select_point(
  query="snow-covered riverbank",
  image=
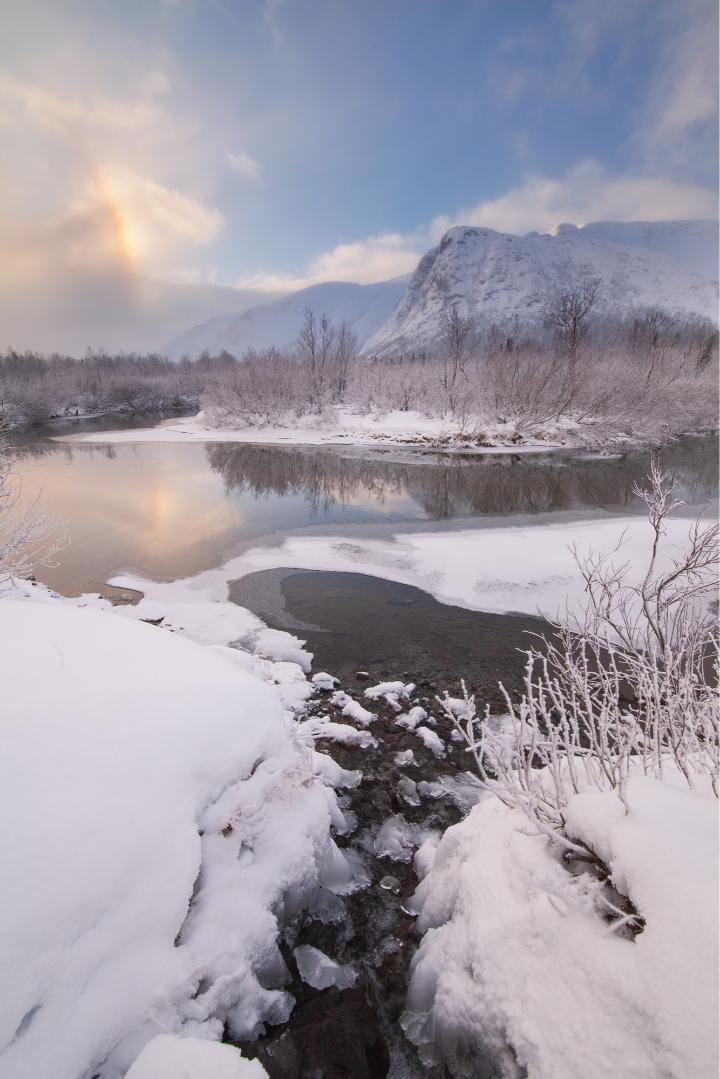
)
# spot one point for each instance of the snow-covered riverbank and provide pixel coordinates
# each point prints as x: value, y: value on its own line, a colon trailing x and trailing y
x: 191, y: 818
x: 392, y: 428
x: 165, y: 812
x: 343, y: 427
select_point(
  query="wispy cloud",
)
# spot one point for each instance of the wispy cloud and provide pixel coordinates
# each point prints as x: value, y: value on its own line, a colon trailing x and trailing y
x: 587, y: 192
x: 677, y: 128
x: 377, y: 258
x: 243, y: 165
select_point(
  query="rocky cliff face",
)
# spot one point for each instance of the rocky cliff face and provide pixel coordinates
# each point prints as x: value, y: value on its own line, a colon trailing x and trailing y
x: 493, y: 276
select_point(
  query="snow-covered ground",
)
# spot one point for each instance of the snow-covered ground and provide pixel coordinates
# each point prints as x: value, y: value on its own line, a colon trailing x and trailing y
x: 163, y: 812
x: 168, y: 811
x: 514, y: 953
x: 342, y: 427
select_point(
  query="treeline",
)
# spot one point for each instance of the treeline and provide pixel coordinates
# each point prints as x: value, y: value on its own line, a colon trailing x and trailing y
x: 579, y: 369
x: 645, y: 375
x: 35, y: 388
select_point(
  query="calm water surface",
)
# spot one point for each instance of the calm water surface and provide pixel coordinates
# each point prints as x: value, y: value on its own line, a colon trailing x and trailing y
x: 167, y: 510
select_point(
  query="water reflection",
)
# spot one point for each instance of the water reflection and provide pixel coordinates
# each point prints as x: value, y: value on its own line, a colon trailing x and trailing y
x: 464, y: 486
x: 167, y: 510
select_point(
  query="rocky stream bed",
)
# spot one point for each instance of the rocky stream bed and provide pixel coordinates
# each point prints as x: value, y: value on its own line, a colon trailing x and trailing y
x: 409, y: 794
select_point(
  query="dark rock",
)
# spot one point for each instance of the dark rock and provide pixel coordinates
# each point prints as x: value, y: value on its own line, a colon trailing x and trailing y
x: 332, y: 1036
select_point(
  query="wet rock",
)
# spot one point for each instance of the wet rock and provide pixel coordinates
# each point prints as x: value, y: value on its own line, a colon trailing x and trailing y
x: 332, y: 1036
x: 390, y: 884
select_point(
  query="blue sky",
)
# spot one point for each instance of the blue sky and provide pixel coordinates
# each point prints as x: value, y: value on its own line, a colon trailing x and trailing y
x: 273, y: 143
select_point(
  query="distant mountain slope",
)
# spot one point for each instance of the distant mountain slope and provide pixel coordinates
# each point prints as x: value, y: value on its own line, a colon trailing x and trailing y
x: 493, y: 276
x: 364, y: 307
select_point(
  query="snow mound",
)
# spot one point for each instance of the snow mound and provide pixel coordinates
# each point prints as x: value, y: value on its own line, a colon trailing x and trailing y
x: 171, y: 1057
x: 514, y: 953
x: 164, y: 816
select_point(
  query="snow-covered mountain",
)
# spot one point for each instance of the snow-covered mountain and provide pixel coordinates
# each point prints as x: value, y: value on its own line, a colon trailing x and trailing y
x: 277, y: 324
x: 494, y: 276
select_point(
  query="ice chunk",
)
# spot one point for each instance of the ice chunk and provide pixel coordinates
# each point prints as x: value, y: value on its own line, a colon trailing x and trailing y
x: 352, y: 709
x: 277, y: 644
x: 408, y: 790
x: 412, y: 718
x: 374, y: 693
x: 431, y: 741
x: 464, y: 789
x: 322, y: 972
x: 405, y: 759
x: 396, y: 839
x: 321, y: 727
x: 324, y: 681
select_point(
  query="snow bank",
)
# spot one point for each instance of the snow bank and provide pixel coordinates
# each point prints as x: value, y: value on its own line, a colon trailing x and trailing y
x: 162, y: 817
x: 169, y: 1057
x: 513, y: 952
x: 342, y: 426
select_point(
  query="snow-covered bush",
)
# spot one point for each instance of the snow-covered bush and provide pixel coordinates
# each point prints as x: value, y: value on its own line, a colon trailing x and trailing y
x: 625, y: 686
x: 570, y: 921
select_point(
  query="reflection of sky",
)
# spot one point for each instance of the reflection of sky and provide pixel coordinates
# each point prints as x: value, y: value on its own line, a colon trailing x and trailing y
x: 161, y: 510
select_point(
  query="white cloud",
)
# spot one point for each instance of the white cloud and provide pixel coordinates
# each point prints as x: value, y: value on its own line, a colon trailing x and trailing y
x: 586, y: 193
x: 243, y: 165
x: 377, y: 258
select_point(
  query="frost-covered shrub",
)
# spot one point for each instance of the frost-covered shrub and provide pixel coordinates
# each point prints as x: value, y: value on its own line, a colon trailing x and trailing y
x: 26, y: 530
x: 625, y: 687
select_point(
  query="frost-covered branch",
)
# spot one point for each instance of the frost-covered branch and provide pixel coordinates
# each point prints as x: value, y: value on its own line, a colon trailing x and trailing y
x: 27, y: 532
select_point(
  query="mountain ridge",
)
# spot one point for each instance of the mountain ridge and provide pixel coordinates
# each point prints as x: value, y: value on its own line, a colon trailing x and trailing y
x: 495, y: 276
x: 490, y: 276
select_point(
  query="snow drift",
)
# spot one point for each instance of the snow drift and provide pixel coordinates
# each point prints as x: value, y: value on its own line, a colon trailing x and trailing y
x: 515, y: 955
x: 161, y: 818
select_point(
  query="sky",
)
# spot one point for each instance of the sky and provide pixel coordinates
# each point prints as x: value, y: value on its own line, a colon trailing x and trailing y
x: 167, y: 159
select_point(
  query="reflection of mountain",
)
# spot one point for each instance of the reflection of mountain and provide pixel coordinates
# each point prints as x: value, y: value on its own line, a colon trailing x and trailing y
x: 461, y: 486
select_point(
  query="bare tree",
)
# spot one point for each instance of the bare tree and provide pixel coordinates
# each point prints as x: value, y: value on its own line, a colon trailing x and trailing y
x: 344, y: 353
x: 455, y: 334
x: 651, y: 339
x: 568, y: 312
x: 316, y: 349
